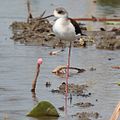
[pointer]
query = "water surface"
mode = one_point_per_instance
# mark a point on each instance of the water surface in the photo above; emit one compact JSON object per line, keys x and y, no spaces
{"x":18,"y":62}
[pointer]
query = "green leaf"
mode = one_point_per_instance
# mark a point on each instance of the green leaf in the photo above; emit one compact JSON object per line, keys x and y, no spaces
{"x":118,"y":83}
{"x":43,"y":108}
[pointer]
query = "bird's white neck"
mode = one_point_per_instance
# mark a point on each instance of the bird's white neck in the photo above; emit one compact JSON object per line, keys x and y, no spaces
{"x":63,"y":21}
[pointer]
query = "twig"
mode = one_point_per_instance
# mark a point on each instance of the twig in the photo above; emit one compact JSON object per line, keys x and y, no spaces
{"x":47,"y":16}
{"x":116,"y":112}
{"x":97,"y":19}
{"x":39,"y":62}
{"x":42,"y":14}
{"x":29,"y":11}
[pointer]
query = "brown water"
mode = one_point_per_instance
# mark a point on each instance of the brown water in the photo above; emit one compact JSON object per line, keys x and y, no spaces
{"x":18,"y":62}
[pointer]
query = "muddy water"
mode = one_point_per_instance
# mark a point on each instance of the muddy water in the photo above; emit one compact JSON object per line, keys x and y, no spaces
{"x":18,"y":62}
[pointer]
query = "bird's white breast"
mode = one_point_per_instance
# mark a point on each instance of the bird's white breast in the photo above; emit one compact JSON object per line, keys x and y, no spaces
{"x":64,"y":29}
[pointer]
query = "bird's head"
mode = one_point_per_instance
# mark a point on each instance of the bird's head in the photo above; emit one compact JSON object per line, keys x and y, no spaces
{"x":60,"y":13}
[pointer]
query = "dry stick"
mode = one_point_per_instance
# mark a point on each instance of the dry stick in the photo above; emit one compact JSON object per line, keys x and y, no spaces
{"x":47,"y":16}
{"x":42,"y":14}
{"x":5,"y":116}
{"x":89,"y":13}
{"x":90,"y":19}
{"x":38,"y":22}
{"x":35,"y":79}
{"x":29,"y":11}
{"x":35,"y":25}
{"x":97,"y":19}
{"x":116,"y":112}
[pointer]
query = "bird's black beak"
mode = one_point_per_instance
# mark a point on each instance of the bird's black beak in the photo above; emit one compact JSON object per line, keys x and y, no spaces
{"x":51,"y":15}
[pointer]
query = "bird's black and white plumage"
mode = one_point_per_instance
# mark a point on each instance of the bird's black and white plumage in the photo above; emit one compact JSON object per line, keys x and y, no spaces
{"x":65,"y":28}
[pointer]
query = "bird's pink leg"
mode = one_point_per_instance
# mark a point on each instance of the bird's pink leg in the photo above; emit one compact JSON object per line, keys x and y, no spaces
{"x":67,"y":70}
{"x":67,"y":77}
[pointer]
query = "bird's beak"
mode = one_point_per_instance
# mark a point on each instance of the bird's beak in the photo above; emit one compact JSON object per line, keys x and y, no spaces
{"x":51,"y":15}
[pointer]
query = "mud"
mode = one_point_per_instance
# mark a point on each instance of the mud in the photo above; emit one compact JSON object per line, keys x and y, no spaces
{"x":78,"y":90}
{"x":38,"y":31}
{"x":87,"y":115}
{"x":109,"y":40}
{"x":82,"y":104}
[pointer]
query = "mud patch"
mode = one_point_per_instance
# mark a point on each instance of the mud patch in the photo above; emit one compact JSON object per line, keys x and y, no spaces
{"x":73,"y":89}
{"x":84,"y":105}
{"x":36,"y":32}
{"x":87,"y":115}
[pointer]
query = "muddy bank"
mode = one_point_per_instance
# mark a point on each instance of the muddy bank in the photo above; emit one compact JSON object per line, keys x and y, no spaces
{"x":38,"y":31}
{"x":109,"y":40}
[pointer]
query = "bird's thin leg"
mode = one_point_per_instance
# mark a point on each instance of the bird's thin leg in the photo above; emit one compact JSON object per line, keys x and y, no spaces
{"x":67,"y":77}
{"x":67,"y":70}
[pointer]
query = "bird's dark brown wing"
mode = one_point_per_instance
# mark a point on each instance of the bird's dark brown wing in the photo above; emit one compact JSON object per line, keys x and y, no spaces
{"x":77,"y":27}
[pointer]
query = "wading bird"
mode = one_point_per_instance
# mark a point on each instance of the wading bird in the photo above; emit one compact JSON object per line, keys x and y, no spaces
{"x":66,"y":29}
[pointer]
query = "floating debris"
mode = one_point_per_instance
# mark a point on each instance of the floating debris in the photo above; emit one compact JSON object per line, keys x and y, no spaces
{"x":92,"y":69}
{"x":110,"y":59}
{"x":61,"y":70}
{"x":55,"y":52}
{"x":116,"y":67}
{"x":48,"y":84}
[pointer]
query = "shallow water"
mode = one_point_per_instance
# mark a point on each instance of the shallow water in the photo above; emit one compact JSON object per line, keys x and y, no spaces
{"x":18,"y":62}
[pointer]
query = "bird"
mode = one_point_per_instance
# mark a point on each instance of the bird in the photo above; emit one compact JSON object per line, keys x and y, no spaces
{"x":67,"y":29}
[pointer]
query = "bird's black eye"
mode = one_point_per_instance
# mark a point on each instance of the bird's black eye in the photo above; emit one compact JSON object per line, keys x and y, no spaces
{"x":61,"y":12}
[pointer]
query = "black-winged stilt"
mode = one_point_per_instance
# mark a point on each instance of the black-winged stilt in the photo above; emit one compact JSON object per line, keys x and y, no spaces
{"x":65,"y":29}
